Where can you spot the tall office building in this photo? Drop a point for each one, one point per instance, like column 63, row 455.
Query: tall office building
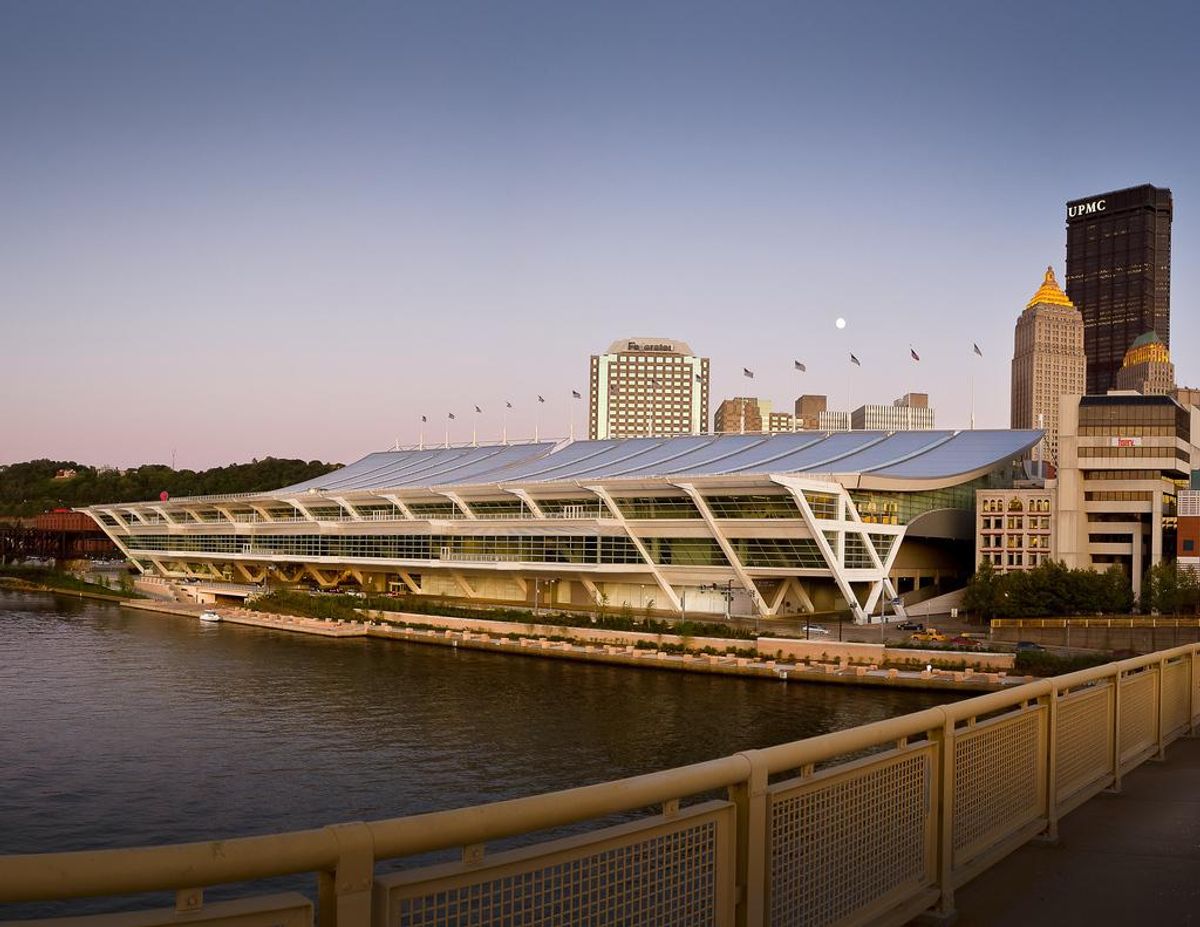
column 910, row 412
column 1048, row 361
column 1119, row 274
column 1147, row 368
column 648, row 387
column 808, row 411
column 742, row 415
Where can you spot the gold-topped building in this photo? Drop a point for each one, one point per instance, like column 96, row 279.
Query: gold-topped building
column 1048, row 361
column 1049, row 293
column 1147, row 367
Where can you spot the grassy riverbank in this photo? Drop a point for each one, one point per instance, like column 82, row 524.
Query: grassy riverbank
column 51, row 580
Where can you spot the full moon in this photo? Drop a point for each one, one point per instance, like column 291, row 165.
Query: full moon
column 840, row 323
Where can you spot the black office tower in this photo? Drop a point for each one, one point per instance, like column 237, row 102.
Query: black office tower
column 1119, row 274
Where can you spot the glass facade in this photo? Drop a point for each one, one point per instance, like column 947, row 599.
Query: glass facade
column 758, row 506
column 1119, row 274
column 525, row 549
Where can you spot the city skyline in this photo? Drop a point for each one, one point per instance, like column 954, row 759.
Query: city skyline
column 232, row 233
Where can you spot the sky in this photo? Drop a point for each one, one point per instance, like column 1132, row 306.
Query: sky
column 234, row 230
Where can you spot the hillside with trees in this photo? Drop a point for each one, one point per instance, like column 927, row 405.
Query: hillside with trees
column 32, row 487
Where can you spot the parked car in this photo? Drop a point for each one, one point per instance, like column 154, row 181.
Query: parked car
column 1028, row 647
column 911, row 626
column 929, row 635
column 814, row 629
column 967, row 643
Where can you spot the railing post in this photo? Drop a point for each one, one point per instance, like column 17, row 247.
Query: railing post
column 1051, row 835
column 1160, row 702
column 344, row 895
column 944, row 907
column 750, row 803
column 1115, row 788
column 1193, row 707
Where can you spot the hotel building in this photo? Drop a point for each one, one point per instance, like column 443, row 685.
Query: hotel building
column 1048, row 361
column 647, row 387
column 796, row 522
column 1119, row 274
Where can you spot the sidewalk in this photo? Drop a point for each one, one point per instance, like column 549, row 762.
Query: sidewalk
column 1121, row 859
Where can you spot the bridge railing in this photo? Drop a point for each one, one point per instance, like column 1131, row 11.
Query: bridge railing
column 873, row 824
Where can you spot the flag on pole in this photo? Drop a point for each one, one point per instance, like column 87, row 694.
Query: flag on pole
column 977, row 351
column 424, row 419
column 477, row 409
column 915, row 355
column 801, row 367
column 508, row 405
column 450, row 415
column 575, row 394
column 855, row 361
column 541, row 399
column 747, row 372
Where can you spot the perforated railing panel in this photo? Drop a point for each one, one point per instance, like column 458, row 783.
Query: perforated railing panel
column 1139, row 714
column 1083, row 747
column 999, row 781
column 673, row 874
column 1175, row 696
column 850, row 841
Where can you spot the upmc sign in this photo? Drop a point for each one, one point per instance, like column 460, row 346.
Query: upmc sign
column 1086, row 209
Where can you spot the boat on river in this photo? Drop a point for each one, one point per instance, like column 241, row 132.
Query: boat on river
column 209, row 617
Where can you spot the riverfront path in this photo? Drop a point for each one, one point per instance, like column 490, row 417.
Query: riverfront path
column 1121, row 859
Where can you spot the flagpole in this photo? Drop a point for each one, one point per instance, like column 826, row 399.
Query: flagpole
column 422, row 445
column 504, row 426
column 537, row 420
column 447, row 444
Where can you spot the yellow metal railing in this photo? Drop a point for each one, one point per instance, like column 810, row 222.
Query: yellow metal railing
column 875, row 824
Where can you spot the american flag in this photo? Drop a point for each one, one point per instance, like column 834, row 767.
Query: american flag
column 976, row 347
column 747, row 372
column 801, row 367
column 575, row 394
column 855, row 361
column 915, row 355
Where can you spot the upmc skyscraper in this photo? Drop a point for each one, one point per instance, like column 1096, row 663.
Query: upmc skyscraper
column 1119, row 274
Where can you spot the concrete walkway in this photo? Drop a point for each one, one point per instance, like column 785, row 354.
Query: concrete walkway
column 1122, row 859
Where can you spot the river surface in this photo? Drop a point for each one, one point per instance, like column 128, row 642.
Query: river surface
column 123, row 728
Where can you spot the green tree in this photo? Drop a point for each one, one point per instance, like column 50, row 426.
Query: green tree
column 984, row 592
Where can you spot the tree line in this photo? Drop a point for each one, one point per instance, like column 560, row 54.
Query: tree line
column 29, row 488
column 1052, row 590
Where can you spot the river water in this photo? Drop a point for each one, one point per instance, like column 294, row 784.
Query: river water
column 122, row 728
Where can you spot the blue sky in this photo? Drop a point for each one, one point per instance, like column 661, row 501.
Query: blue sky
column 241, row 229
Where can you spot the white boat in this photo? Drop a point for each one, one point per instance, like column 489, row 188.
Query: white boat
column 210, row 617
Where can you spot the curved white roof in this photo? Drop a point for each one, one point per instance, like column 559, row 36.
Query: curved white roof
column 899, row 455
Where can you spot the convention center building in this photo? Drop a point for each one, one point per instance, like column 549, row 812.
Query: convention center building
column 857, row 522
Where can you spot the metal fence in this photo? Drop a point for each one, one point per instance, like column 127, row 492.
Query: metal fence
column 874, row 824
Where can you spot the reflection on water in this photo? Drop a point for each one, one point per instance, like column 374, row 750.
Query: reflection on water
column 123, row 728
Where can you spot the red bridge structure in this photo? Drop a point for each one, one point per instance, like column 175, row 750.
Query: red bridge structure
column 58, row 535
